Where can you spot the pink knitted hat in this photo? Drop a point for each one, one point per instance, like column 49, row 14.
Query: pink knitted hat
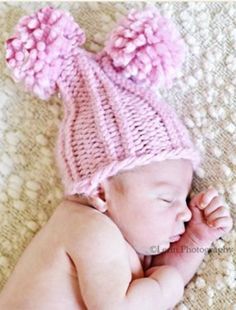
column 112, row 118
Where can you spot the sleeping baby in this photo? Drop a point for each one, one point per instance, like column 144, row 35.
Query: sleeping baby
column 129, row 233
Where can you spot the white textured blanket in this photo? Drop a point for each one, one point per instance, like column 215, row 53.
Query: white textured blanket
column 204, row 95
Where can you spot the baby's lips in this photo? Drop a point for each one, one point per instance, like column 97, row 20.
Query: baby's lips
column 175, row 238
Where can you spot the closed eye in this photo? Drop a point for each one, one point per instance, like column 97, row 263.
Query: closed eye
column 168, row 201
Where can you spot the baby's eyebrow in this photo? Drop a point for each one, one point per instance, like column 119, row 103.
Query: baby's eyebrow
column 164, row 184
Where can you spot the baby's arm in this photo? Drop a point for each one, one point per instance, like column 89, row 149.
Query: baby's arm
column 185, row 255
column 100, row 255
column 210, row 220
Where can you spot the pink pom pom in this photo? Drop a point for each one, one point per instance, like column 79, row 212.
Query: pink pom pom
column 41, row 43
column 146, row 48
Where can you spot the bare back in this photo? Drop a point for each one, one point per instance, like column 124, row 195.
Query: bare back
column 50, row 276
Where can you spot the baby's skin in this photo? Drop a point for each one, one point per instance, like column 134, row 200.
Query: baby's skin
column 112, row 251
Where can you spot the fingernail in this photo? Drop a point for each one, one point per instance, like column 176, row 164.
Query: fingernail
column 202, row 205
column 210, row 224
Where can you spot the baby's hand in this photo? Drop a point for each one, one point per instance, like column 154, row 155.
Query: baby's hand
column 210, row 217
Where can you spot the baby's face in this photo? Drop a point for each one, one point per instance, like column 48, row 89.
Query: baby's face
column 149, row 205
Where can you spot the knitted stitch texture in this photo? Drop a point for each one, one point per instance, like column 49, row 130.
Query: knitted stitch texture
column 113, row 121
column 203, row 95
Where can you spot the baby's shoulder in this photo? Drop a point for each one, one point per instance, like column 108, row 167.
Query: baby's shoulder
column 84, row 224
column 85, row 215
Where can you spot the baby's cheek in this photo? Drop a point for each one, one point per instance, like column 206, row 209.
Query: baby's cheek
column 166, row 224
column 171, row 214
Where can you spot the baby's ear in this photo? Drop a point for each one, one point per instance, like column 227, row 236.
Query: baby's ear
column 101, row 193
column 36, row 52
column 146, row 47
column 99, row 204
column 99, row 198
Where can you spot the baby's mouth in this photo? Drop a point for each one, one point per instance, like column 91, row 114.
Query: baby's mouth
column 177, row 237
column 163, row 247
column 174, row 238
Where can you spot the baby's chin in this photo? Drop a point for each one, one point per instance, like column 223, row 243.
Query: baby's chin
column 154, row 249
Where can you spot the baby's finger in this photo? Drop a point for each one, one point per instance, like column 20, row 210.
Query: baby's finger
column 195, row 200
column 197, row 214
column 224, row 222
column 207, row 197
column 219, row 212
column 214, row 204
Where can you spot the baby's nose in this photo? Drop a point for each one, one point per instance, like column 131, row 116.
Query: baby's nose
column 185, row 214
